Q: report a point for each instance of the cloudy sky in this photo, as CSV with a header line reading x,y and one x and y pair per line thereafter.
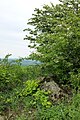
x,y
14,15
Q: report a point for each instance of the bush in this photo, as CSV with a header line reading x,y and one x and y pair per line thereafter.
x,y
56,38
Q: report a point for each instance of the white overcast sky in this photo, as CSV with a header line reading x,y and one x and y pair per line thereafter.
x,y
14,15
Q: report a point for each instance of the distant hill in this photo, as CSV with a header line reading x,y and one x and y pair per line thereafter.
x,y
23,62
30,62
26,62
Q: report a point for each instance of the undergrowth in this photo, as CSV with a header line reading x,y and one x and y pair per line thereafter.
x,y
21,97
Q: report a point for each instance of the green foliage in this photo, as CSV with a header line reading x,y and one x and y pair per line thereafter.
x,y
17,92
41,97
29,87
63,111
22,117
10,80
56,38
32,72
75,79
22,95
31,92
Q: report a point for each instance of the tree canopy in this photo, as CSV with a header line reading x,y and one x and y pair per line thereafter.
x,y
55,36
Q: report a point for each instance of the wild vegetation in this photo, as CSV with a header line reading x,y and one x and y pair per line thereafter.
x,y
24,92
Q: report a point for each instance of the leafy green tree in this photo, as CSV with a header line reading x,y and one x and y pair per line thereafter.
x,y
55,36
